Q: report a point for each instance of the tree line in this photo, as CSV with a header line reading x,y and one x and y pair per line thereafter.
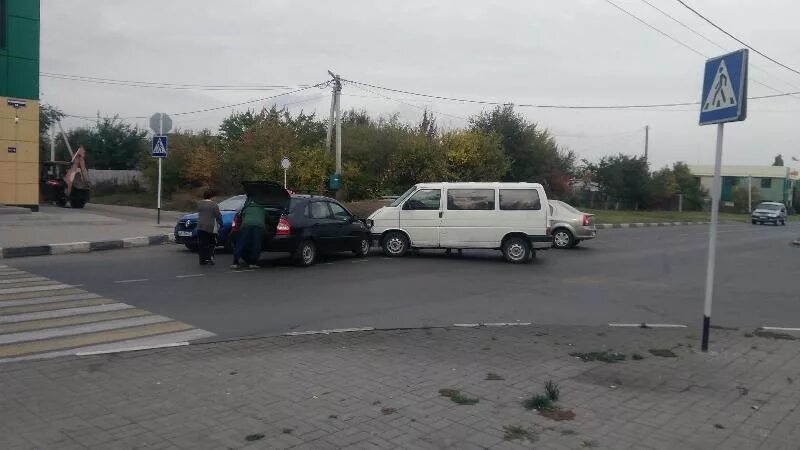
x,y
381,156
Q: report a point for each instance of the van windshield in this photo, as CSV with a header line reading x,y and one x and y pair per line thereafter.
x,y
403,197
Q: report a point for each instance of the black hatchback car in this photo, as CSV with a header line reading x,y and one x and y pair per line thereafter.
x,y
305,225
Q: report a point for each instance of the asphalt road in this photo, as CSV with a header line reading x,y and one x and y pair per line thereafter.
x,y
653,275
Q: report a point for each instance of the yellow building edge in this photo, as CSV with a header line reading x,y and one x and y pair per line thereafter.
x,y
19,152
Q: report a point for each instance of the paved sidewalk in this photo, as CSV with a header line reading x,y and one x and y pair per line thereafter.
x,y
381,389
55,230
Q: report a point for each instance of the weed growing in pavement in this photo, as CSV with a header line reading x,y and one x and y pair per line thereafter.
x,y
568,432
538,402
588,444
603,356
494,377
637,357
516,432
254,437
552,390
748,335
387,411
457,397
333,416
774,335
663,353
462,399
287,431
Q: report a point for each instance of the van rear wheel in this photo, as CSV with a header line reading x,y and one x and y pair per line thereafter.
x,y
517,250
395,244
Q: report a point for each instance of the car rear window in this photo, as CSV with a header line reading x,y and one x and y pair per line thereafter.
x,y
520,200
769,207
470,199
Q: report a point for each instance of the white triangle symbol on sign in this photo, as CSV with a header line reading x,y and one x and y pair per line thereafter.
x,y
160,150
721,94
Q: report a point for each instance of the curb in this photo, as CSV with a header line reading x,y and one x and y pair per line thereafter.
x,y
608,226
84,247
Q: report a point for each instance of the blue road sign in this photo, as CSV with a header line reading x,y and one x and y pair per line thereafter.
x,y
724,97
159,147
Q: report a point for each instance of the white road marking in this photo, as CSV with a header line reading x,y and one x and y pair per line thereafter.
x,y
135,280
191,275
467,325
506,324
63,312
358,260
71,330
331,331
780,329
647,325
132,349
22,280
54,298
50,287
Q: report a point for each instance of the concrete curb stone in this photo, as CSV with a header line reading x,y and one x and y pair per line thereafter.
x,y
607,226
84,247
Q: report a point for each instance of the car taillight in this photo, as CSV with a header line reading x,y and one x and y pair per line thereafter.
x,y
284,227
235,224
585,220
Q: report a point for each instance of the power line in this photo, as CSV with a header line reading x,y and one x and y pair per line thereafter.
x,y
545,106
714,43
677,41
158,85
735,38
406,103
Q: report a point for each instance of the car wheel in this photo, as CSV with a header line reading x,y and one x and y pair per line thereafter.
x,y
753,221
191,247
395,244
62,202
363,248
517,250
562,238
306,253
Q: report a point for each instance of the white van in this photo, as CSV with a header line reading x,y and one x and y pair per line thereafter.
x,y
511,217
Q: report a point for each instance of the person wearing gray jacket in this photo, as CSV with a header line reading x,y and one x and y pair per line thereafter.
x,y
208,216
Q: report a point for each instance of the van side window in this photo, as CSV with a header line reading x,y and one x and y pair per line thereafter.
x,y
470,199
424,199
520,199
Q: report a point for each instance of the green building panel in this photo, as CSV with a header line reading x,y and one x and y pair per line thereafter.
x,y
19,55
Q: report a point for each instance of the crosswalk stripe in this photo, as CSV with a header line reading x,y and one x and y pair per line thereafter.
x,y
81,329
83,340
12,273
29,284
19,290
181,337
63,312
71,320
21,280
49,299
23,295
54,306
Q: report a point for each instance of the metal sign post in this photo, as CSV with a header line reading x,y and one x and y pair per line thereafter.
x,y
286,164
160,123
724,99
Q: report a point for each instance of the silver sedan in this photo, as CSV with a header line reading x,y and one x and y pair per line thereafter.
x,y
569,226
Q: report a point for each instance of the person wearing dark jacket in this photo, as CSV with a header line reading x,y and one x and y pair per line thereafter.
x,y
208,216
250,236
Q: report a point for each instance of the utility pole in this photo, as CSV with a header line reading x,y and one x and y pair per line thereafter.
x,y
646,140
52,143
749,193
336,107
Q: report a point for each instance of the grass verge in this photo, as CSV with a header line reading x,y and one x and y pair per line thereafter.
x,y
612,216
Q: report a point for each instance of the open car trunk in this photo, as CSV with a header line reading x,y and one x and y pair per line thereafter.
x,y
270,195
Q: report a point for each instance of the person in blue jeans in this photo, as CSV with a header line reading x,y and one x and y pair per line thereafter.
x,y
250,236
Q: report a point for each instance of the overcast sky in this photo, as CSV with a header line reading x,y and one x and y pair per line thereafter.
x,y
578,52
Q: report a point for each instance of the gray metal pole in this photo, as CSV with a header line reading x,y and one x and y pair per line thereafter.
x,y
158,204
338,126
52,144
716,188
646,140
749,193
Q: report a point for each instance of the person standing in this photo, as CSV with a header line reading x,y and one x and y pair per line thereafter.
x,y
250,236
208,216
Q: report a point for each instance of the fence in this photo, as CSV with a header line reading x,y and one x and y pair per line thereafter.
x,y
118,177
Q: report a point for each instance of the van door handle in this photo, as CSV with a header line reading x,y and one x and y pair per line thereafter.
x,y
441,214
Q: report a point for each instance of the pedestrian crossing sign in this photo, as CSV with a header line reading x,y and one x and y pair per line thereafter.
x,y
159,147
724,97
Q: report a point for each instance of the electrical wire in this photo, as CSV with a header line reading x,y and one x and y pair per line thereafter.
x,y
736,39
421,108
158,85
677,41
716,44
544,106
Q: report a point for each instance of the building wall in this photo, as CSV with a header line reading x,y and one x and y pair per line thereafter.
x,y
777,192
19,80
